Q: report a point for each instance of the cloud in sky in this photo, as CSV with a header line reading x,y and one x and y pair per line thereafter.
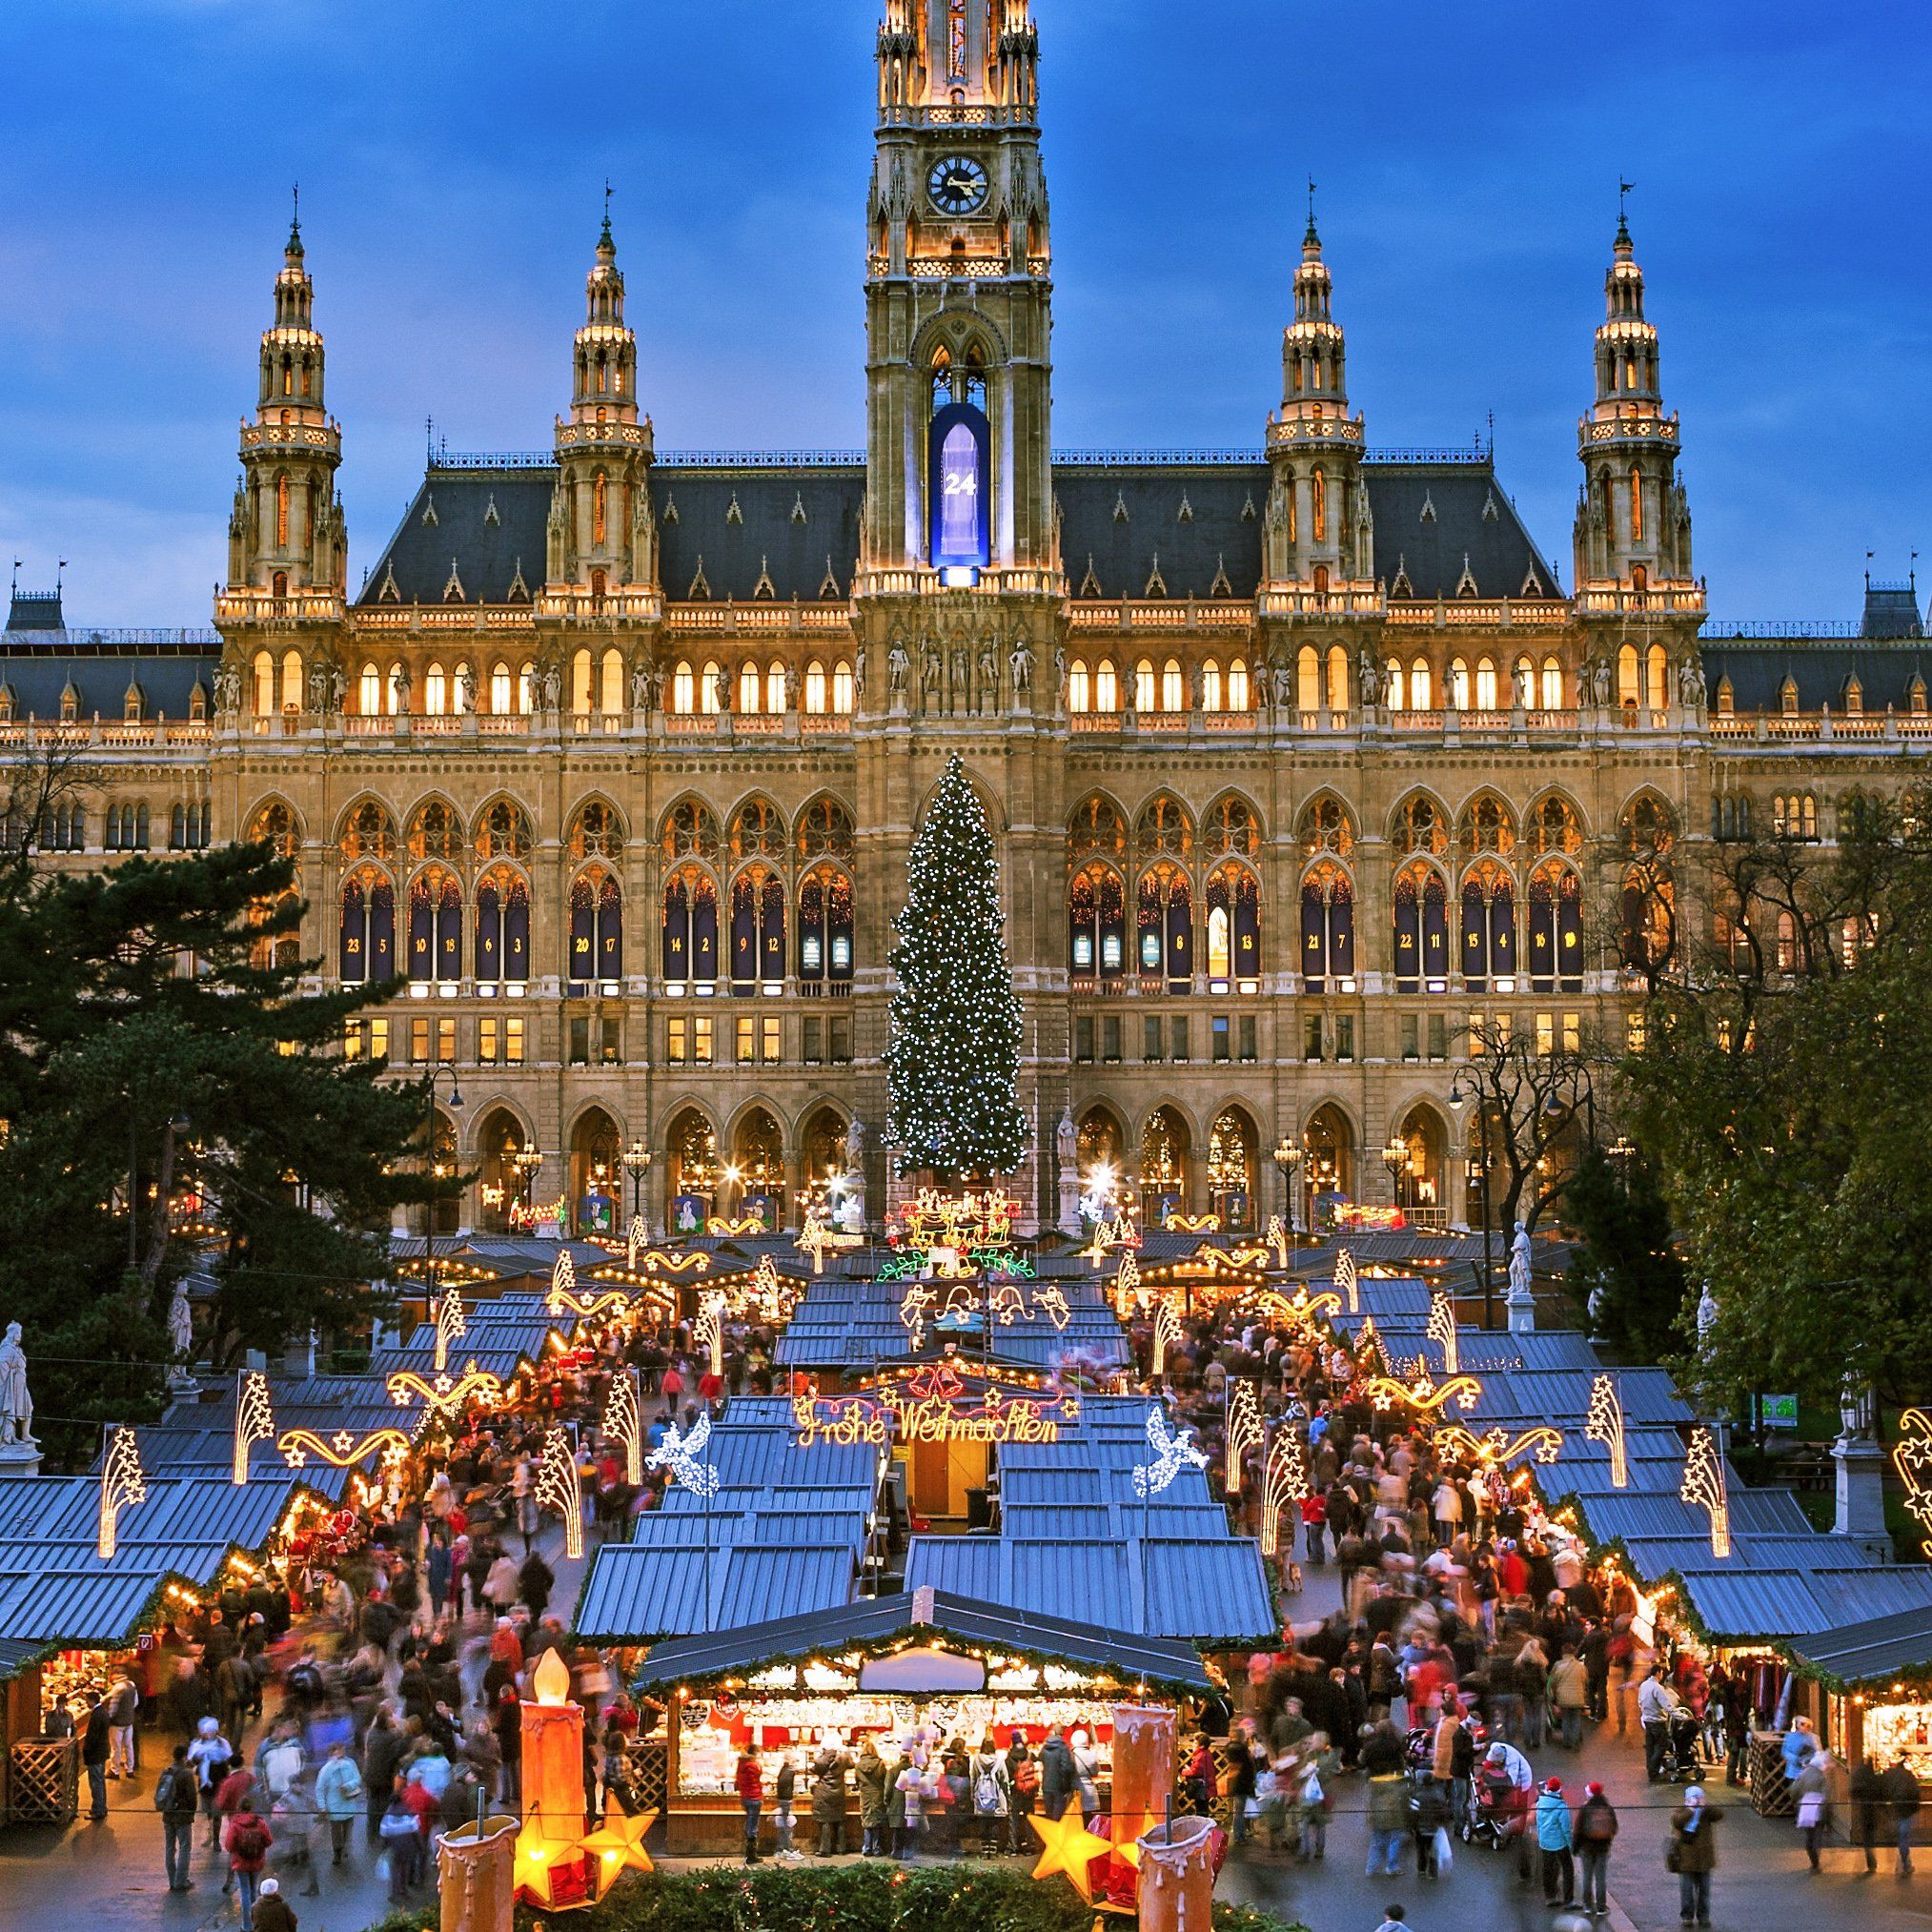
x,y
451,160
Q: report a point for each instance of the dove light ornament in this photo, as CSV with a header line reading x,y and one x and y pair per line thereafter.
x,y
679,1453
1173,1451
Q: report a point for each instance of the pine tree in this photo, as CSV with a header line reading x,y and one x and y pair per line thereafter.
x,y
954,1055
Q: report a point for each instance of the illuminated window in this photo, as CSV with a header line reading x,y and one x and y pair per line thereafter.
x,y
281,513
683,690
841,688
598,521
1552,685
815,688
1523,685
708,688
1144,686
1210,685
579,683
1238,695
1458,684
1391,685
264,684
1485,684
434,691
1419,688
500,689
1308,679
750,688
1173,693
1636,504
611,697
1079,686
1106,686
1318,506
525,676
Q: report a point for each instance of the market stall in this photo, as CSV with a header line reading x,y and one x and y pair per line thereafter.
x,y
920,1666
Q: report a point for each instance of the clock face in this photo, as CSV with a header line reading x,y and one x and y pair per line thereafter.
x,y
957,185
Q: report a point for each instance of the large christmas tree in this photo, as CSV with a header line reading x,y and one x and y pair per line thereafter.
x,y
955,1049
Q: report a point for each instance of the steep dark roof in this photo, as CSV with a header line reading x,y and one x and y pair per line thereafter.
x,y
1891,611
782,530
1822,669
35,610
37,676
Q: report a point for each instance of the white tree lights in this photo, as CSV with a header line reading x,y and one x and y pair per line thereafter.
x,y
954,1054
1605,1425
1704,1488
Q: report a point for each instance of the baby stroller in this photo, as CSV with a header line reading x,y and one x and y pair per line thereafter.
x,y
1500,1817
1418,1749
1682,1761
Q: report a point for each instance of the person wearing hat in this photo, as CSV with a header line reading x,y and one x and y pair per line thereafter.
x,y
1553,1835
272,1913
1594,1830
1692,1854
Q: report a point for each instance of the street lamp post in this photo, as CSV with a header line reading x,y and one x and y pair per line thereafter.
x,y
1288,1157
1459,1096
637,1159
430,1170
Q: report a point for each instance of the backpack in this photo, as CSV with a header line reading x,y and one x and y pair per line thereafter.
x,y
987,1793
167,1792
248,1842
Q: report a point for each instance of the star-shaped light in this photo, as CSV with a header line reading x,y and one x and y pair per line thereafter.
x,y
618,1844
342,1440
1130,1828
537,1862
1069,1847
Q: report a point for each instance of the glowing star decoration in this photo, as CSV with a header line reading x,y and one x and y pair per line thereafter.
x,y
254,1420
624,1423
123,1485
1277,1239
932,1406
1704,1488
1178,1223
1284,1483
557,1489
679,1453
1167,1334
1348,1281
341,1449
1497,1448
1302,1310
587,1307
1912,1459
450,1321
446,1395
1067,1847
1420,1392
1442,1329
707,1332
1605,1425
618,1844
1127,1289
1242,1431
1128,1828
1173,1451
562,1281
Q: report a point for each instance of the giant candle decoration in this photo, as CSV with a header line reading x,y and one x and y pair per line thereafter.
x,y
552,1867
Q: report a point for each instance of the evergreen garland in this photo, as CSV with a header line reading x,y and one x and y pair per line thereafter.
x,y
954,1057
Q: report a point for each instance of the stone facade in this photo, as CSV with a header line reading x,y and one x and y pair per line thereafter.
x,y
1298,757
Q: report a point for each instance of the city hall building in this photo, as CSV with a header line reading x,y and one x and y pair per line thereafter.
x,y
1298,757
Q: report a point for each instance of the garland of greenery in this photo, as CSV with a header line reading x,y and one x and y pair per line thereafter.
x,y
873,1896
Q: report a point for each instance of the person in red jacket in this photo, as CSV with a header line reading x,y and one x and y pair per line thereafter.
x,y
246,1840
750,1795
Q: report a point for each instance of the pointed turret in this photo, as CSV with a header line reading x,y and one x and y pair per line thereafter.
x,y
1633,524
601,534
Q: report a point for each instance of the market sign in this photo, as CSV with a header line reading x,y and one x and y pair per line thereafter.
x,y
933,1405
1777,1411
923,1668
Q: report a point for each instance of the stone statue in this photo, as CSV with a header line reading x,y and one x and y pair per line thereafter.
x,y
1067,1142
1020,663
1284,685
181,1324
1602,681
1707,1317
16,1405
466,691
1197,686
640,686
858,673
990,678
400,685
931,676
1519,1265
318,690
339,687
897,666
227,689
1691,684
785,687
855,1145
550,684
1368,676
656,687
720,686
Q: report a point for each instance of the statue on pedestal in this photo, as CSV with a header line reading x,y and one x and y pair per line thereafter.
x,y
16,1405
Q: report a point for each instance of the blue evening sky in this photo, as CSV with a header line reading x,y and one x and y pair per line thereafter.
x,y
452,156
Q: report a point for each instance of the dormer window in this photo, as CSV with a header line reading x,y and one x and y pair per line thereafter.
x,y
1855,697
1787,697
1726,699
131,705
70,706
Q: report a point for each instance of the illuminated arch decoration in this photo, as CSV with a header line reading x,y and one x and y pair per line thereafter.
x,y
1442,1329
1173,1451
123,1485
562,1281
624,1423
1347,1280
1420,1392
447,1394
1284,1483
1912,1459
254,1420
1242,1431
959,490
1605,1425
1704,1488
1498,1448
451,1322
743,1224
1178,1223
341,1449
1302,1310
679,1453
613,1301
557,1489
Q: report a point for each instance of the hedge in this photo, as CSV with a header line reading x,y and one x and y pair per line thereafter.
x,y
868,1897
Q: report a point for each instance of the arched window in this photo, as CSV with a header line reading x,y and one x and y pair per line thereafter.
x,y
1238,695
596,832
1556,931
1231,1154
1489,927
1308,679
435,832
291,680
1487,826
825,925
815,689
1636,504
1144,688
274,826
1319,503
841,688
1338,678
684,689
1173,691
1787,697
1421,929
1523,685
502,926
750,688
1628,691
1079,686
1096,916
367,950
1327,928
264,685
708,688
1657,681
503,832
1233,928
599,508
758,952
1485,684
1458,693
611,695
1391,685
1210,685
1164,927
596,928
282,491
435,692
1106,686
775,687
1420,686
435,926
690,935
1552,685
579,683
369,834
